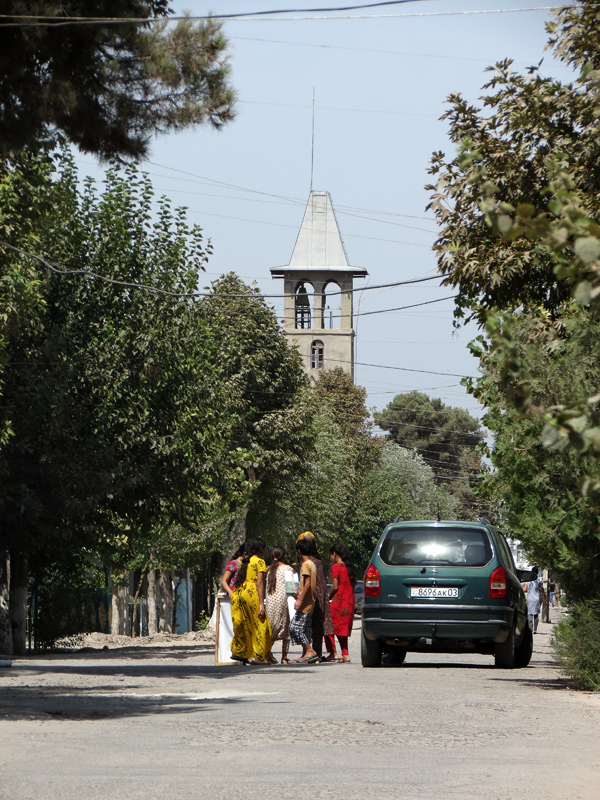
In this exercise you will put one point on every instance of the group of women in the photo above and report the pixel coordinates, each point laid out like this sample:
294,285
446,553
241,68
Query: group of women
260,605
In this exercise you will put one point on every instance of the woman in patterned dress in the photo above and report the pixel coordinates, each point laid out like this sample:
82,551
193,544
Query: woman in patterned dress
251,641
341,596
277,602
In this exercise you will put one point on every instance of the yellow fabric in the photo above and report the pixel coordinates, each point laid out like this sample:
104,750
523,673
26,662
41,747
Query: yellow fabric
251,637
310,534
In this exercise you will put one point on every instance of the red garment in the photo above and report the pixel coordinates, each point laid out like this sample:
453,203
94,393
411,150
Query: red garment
342,602
330,644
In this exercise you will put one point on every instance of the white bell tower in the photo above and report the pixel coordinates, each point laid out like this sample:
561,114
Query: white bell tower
318,284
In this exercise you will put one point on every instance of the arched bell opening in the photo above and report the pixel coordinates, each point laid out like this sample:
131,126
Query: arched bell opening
304,306
332,306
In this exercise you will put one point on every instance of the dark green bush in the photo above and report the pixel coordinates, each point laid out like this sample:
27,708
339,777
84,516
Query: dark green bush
576,642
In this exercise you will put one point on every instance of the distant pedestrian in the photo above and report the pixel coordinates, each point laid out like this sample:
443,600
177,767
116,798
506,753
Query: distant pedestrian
277,602
535,596
301,625
341,597
551,590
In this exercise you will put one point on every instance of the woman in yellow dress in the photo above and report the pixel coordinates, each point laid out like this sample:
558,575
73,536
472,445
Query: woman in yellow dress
251,641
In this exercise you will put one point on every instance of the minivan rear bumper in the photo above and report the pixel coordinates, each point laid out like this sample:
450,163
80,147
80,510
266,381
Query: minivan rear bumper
459,622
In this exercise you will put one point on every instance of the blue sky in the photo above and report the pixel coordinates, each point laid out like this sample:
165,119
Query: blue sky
380,84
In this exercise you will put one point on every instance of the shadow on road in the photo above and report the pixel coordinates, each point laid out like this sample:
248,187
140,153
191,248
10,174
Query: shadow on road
549,684
103,702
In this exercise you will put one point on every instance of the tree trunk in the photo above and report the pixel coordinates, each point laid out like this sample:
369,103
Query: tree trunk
235,537
135,599
152,619
120,610
19,584
166,601
238,534
6,640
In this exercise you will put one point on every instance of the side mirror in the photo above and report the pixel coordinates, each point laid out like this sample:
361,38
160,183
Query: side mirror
525,575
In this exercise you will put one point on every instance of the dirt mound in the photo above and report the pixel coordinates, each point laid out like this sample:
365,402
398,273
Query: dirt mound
99,641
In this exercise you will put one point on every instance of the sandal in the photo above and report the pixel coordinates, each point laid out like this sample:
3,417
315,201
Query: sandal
330,657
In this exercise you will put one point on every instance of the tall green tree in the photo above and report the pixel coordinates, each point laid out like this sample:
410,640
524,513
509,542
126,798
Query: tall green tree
118,420
263,378
108,87
446,438
520,239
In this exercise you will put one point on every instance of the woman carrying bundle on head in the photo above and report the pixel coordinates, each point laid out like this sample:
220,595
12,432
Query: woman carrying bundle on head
341,598
321,618
251,641
277,602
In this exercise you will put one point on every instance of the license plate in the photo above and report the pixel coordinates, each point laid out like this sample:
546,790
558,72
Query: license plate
433,591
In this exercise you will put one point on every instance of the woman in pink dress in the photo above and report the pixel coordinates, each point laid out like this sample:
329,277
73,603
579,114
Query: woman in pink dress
341,599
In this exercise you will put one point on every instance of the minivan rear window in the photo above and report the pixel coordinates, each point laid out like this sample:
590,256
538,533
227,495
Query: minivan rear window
467,547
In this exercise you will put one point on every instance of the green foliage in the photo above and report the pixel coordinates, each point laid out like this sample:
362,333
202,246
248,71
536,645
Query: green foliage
576,641
448,439
201,623
351,484
66,597
398,484
111,87
539,489
518,207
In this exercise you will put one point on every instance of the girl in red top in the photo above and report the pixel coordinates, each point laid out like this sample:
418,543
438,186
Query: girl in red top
341,599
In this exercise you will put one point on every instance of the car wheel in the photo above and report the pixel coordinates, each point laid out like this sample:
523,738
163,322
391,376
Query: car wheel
370,652
505,651
524,651
395,657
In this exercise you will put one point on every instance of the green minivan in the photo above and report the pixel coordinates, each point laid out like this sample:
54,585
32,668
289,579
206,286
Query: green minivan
444,587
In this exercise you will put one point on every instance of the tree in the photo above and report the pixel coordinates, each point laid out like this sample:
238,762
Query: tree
351,484
118,419
519,209
263,378
398,484
108,87
446,438
539,489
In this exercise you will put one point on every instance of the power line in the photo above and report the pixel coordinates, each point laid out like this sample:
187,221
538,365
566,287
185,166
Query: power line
41,20
292,200
131,285
257,16
400,369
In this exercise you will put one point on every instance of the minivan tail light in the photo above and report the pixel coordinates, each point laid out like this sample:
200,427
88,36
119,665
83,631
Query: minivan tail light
498,583
372,581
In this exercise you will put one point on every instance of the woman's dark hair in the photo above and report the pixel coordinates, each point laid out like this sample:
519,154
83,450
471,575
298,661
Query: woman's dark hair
254,547
304,546
278,556
313,546
341,551
243,548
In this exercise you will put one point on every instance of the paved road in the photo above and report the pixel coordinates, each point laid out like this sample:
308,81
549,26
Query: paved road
166,724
